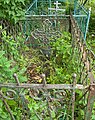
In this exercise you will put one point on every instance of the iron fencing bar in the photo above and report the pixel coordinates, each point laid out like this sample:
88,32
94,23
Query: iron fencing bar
83,19
39,92
11,29
20,90
39,32
46,7
87,72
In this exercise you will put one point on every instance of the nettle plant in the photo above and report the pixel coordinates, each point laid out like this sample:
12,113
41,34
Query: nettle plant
11,57
8,68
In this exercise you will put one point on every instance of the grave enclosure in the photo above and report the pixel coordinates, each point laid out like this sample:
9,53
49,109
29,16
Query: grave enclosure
46,19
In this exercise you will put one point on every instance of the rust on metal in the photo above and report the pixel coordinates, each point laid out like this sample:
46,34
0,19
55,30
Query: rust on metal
47,86
91,99
73,96
86,53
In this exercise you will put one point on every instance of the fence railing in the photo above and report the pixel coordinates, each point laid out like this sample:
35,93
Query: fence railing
83,19
86,59
83,81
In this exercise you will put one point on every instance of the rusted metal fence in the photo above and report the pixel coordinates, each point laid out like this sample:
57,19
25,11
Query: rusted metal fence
83,81
10,28
86,59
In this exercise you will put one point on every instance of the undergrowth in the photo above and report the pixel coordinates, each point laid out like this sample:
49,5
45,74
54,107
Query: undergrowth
57,63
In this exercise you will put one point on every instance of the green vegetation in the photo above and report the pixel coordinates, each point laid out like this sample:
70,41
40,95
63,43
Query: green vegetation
14,59
58,63
12,10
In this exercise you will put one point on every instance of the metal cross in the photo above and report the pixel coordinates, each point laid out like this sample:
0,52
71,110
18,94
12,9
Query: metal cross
57,3
57,7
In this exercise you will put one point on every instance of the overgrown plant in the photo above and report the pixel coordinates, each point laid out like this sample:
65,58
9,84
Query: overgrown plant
61,60
11,57
12,10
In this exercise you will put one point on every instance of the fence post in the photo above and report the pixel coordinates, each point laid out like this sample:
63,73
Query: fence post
73,96
88,19
90,103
